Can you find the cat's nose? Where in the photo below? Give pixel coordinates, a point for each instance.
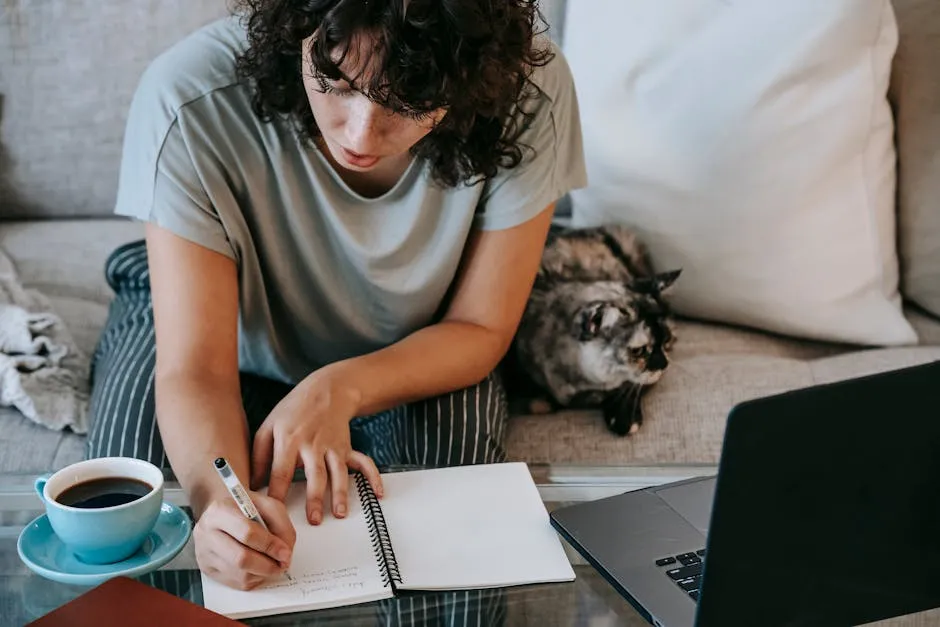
(656, 361)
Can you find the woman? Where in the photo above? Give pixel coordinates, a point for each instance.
(346, 203)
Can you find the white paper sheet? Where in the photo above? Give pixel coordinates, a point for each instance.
(470, 527)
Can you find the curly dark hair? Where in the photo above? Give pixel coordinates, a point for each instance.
(474, 57)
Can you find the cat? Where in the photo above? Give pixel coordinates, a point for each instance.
(596, 331)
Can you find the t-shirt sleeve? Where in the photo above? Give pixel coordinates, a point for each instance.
(553, 154)
(158, 181)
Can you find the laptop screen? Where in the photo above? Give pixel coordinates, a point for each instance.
(827, 506)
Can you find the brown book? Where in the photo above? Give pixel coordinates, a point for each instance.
(129, 603)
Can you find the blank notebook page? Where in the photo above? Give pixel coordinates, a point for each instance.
(479, 526)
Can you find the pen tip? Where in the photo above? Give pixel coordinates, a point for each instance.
(219, 462)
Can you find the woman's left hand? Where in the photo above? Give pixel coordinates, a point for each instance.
(310, 427)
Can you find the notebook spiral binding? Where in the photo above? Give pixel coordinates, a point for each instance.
(378, 532)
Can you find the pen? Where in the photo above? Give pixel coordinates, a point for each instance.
(238, 492)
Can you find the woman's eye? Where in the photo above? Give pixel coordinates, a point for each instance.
(342, 92)
(418, 116)
(327, 87)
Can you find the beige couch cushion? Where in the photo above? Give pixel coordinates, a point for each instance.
(713, 368)
(926, 325)
(69, 69)
(915, 91)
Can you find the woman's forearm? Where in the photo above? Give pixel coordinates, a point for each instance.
(487, 300)
(201, 419)
(438, 359)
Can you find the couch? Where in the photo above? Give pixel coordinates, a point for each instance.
(68, 69)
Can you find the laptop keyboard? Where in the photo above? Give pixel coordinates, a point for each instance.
(686, 570)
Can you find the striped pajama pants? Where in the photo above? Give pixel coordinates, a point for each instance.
(463, 427)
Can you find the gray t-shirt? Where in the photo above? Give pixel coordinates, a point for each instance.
(324, 273)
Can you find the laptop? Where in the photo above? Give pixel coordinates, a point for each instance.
(825, 511)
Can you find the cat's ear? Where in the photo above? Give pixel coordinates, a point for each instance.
(656, 284)
(664, 280)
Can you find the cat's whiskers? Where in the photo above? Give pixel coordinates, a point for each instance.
(637, 398)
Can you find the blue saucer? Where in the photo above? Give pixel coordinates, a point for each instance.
(42, 551)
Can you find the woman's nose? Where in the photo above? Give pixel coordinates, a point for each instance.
(364, 126)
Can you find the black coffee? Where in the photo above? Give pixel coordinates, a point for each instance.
(104, 492)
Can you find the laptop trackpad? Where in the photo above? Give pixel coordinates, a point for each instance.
(692, 501)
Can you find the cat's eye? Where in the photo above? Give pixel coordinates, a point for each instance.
(638, 352)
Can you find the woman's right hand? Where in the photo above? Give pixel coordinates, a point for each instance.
(238, 552)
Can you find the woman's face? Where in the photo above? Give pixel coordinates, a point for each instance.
(359, 133)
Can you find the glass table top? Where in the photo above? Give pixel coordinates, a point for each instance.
(588, 601)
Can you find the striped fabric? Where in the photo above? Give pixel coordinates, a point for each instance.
(463, 427)
(121, 408)
(465, 608)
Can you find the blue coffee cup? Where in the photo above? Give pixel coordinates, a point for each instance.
(103, 535)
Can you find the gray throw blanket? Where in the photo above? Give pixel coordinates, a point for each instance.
(42, 372)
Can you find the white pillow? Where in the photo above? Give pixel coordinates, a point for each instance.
(751, 144)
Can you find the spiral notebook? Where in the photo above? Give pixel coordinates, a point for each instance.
(461, 528)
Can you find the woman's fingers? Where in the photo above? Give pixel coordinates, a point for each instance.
(364, 464)
(282, 468)
(262, 451)
(242, 558)
(253, 535)
(234, 550)
(276, 518)
(229, 576)
(315, 471)
(339, 483)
